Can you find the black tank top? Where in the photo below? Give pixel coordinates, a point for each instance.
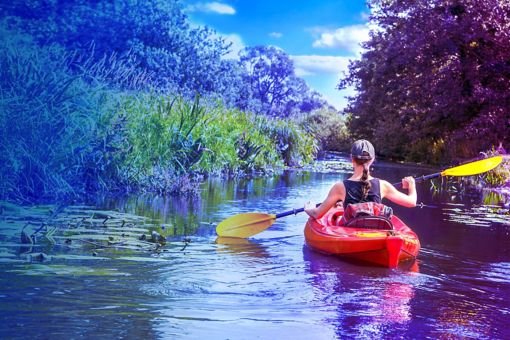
(354, 192)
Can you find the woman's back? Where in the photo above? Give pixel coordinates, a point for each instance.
(354, 192)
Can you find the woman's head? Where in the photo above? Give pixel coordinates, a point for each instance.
(363, 153)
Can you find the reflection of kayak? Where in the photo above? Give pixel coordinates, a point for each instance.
(377, 246)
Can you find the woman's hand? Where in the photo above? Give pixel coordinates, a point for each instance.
(309, 205)
(408, 183)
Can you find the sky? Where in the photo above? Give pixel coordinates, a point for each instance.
(321, 36)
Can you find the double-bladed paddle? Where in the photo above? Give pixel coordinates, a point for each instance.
(248, 224)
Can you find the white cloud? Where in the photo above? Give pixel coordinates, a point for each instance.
(348, 38)
(364, 16)
(307, 65)
(237, 45)
(212, 7)
(276, 35)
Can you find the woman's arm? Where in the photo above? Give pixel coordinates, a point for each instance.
(407, 200)
(336, 193)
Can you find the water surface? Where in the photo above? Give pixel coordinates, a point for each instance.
(272, 286)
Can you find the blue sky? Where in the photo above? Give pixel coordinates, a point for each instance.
(321, 36)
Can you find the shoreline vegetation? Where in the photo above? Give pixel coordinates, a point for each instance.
(74, 128)
(157, 107)
(70, 134)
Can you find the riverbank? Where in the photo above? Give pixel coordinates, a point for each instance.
(74, 127)
(141, 143)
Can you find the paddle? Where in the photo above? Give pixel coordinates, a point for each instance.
(249, 224)
(468, 169)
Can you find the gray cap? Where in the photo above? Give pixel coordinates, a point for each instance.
(362, 149)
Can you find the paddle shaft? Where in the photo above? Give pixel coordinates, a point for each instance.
(467, 169)
(420, 179)
(396, 184)
(293, 212)
(246, 225)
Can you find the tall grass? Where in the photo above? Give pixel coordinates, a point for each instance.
(69, 128)
(234, 144)
(51, 122)
(171, 134)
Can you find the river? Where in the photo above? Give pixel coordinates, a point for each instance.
(272, 286)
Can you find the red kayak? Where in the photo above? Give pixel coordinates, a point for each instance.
(380, 241)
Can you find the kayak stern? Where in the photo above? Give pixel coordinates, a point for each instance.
(381, 247)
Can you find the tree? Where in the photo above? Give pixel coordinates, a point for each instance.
(154, 34)
(272, 87)
(433, 73)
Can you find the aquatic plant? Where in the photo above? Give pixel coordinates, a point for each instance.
(499, 176)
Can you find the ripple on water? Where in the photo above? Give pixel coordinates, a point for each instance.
(497, 272)
(482, 216)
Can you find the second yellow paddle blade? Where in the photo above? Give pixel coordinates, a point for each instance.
(474, 168)
(245, 225)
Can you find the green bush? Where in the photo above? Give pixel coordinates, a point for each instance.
(234, 143)
(294, 144)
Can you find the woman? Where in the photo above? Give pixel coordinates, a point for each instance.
(361, 187)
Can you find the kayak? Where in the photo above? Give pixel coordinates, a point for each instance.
(384, 244)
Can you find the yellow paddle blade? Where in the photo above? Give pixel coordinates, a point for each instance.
(245, 225)
(473, 168)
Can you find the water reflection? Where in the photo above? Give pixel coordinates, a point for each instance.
(241, 246)
(479, 216)
(218, 200)
(79, 304)
(368, 301)
(497, 272)
(463, 317)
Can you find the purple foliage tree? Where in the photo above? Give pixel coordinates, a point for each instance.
(434, 80)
